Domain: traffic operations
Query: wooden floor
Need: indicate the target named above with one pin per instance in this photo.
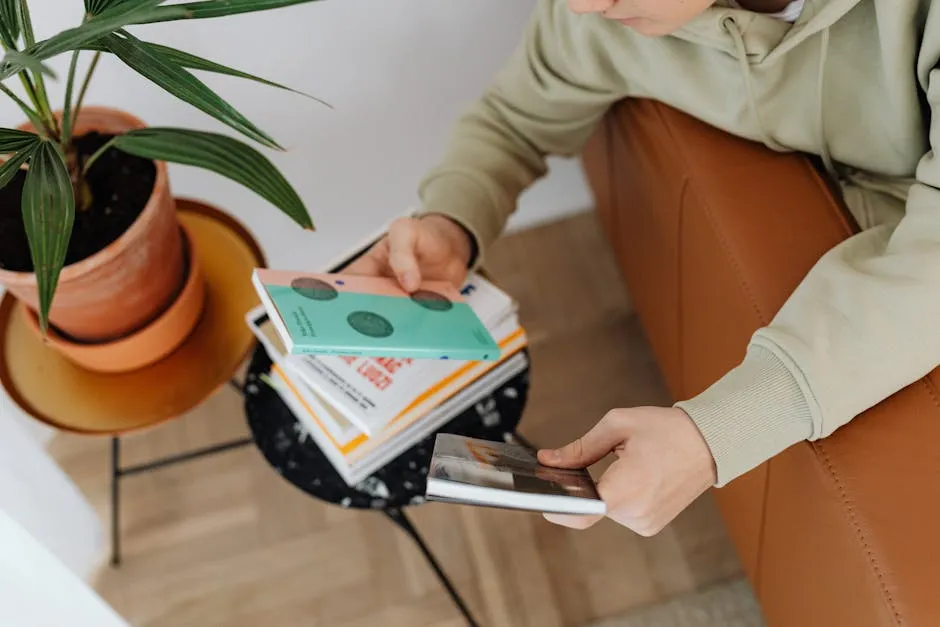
(225, 541)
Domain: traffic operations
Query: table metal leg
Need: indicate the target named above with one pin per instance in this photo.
(399, 518)
(115, 501)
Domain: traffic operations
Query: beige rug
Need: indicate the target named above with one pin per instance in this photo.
(730, 604)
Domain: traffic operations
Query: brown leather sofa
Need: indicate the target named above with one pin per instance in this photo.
(712, 234)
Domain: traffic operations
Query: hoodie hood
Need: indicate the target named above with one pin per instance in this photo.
(754, 39)
(765, 39)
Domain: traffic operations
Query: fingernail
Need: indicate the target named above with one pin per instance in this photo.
(411, 280)
(554, 455)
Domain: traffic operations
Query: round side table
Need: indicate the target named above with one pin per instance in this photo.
(401, 483)
(114, 404)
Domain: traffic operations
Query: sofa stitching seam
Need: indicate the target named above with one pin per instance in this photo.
(762, 530)
(723, 242)
(846, 228)
(931, 390)
(680, 317)
(735, 263)
(859, 532)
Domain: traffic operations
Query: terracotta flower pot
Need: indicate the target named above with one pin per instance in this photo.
(148, 345)
(132, 281)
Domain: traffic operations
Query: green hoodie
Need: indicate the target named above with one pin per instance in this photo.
(854, 81)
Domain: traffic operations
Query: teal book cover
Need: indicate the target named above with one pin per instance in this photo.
(350, 315)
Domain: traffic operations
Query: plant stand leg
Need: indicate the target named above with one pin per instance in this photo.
(115, 501)
(399, 518)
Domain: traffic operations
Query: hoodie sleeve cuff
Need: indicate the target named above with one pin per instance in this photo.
(467, 203)
(751, 414)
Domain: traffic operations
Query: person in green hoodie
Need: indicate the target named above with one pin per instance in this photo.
(855, 82)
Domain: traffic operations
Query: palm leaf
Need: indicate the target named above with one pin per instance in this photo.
(12, 165)
(48, 214)
(174, 78)
(202, 9)
(9, 23)
(221, 154)
(13, 140)
(193, 62)
(94, 7)
(21, 61)
(114, 18)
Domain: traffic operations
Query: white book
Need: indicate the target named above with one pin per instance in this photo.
(355, 469)
(355, 444)
(440, 393)
(343, 433)
(497, 474)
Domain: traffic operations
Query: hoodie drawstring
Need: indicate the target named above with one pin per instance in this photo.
(737, 36)
(732, 27)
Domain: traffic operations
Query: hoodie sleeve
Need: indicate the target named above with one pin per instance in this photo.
(544, 101)
(862, 325)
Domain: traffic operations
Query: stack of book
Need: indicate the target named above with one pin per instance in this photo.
(364, 411)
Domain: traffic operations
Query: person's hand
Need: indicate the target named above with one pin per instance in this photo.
(663, 465)
(432, 247)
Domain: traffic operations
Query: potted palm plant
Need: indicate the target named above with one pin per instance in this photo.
(89, 238)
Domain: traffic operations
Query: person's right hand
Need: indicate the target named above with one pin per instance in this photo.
(432, 247)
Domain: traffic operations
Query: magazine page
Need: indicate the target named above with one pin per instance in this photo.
(504, 466)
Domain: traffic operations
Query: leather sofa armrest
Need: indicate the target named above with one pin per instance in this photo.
(713, 233)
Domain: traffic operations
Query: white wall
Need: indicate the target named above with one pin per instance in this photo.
(397, 74)
(38, 590)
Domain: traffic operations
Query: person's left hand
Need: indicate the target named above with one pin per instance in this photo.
(663, 465)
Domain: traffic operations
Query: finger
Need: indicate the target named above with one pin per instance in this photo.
(589, 448)
(374, 262)
(367, 265)
(457, 273)
(629, 501)
(402, 239)
(572, 522)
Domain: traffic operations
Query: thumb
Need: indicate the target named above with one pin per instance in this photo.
(589, 448)
(402, 258)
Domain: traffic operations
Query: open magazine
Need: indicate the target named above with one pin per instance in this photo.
(497, 474)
